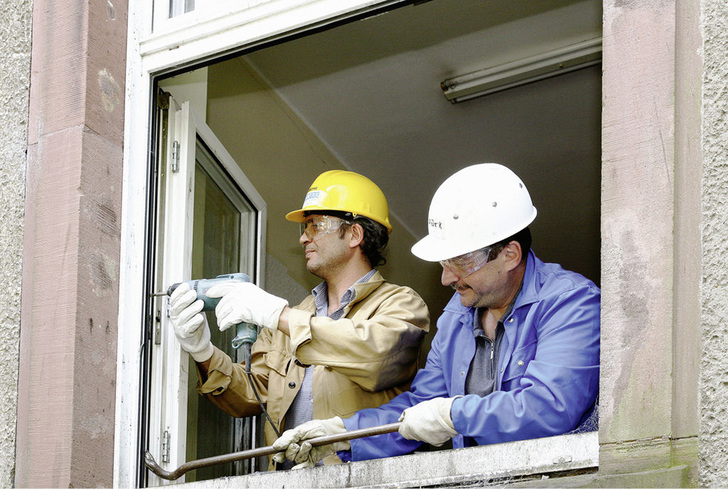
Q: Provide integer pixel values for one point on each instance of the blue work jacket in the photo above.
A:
(548, 370)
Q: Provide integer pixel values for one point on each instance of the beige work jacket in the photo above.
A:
(360, 361)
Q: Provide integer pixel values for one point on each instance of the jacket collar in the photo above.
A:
(361, 290)
(529, 293)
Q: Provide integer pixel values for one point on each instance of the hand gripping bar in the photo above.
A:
(261, 452)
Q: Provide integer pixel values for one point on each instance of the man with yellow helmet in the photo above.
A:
(352, 344)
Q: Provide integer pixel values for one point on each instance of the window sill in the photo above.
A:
(520, 460)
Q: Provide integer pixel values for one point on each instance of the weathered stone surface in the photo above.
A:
(478, 466)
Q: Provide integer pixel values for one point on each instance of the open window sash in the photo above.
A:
(193, 160)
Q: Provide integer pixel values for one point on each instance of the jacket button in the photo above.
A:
(292, 385)
(520, 363)
(510, 320)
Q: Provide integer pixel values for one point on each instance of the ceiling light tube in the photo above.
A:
(527, 70)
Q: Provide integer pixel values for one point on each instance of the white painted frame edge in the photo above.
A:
(201, 38)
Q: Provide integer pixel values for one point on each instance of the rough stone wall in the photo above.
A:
(714, 362)
(15, 30)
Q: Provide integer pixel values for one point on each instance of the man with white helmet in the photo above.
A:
(352, 344)
(516, 353)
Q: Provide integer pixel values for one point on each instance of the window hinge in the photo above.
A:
(175, 157)
(165, 446)
(157, 329)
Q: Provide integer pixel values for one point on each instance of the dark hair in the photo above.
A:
(375, 241)
(523, 237)
(375, 238)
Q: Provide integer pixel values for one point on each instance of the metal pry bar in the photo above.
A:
(261, 452)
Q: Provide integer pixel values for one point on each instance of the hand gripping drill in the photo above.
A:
(246, 333)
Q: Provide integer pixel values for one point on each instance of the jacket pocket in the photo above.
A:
(277, 362)
(517, 365)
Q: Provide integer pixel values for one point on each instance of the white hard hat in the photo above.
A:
(476, 207)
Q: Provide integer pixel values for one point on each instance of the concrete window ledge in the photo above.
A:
(502, 463)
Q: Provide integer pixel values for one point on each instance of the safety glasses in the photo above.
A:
(321, 225)
(467, 264)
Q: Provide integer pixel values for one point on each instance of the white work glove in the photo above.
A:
(190, 325)
(429, 421)
(245, 302)
(292, 444)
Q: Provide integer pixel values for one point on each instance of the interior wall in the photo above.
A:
(281, 156)
(374, 96)
(189, 87)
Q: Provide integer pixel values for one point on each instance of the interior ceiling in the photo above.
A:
(371, 90)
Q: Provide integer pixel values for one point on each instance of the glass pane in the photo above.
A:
(220, 212)
(177, 7)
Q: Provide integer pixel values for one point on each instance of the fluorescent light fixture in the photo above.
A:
(527, 70)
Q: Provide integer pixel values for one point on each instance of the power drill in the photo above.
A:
(246, 333)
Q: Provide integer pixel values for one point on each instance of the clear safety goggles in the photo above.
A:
(321, 225)
(467, 264)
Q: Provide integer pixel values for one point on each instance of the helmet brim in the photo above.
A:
(434, 249)
(296, 216)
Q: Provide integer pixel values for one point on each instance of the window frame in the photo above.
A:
(219, 28)
(183, 42)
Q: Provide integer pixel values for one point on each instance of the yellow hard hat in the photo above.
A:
(345, 191)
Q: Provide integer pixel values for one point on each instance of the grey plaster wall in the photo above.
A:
(15, 31)
(714, 361)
